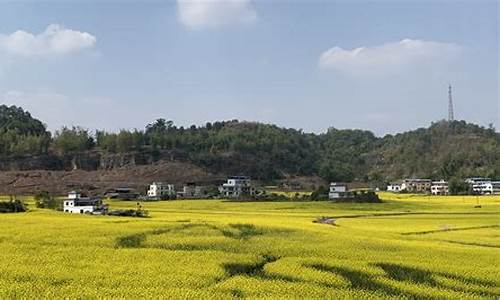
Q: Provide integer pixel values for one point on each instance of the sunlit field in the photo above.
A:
(409, 246)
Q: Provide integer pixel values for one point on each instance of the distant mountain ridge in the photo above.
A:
(263, 151)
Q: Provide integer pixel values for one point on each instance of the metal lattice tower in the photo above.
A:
(451, 117)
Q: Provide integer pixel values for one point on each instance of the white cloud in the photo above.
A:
(54, 40)
(198, 14)
(387, 58)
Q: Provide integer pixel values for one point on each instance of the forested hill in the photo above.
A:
(262, 151)
(444, 150)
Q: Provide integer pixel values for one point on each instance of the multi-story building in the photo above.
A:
(440, 188)
(74, 195)
(495, 187)
(416, 185)
(480, 185)
(83, 205)
(394, 187)
(160, 189)
(477, 180)
(487, 188)
(237, 186)
(192, 191)
(338, 190)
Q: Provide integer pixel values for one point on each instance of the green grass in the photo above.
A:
(407, 247)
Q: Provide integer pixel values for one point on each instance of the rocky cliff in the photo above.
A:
(96, 172)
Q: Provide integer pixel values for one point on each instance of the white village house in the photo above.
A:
(160, 189)
(440, 188)
(337, 190)
(493, 188)
(478, 185)
(484, 185)
(81, 205)
(191, 190)
(477, 180)
(237, 186)
(416, 185)
(394, 187)
(73, 195)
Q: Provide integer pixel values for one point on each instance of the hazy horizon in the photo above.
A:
(373, 65)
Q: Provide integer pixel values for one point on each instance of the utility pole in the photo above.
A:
(451, 117)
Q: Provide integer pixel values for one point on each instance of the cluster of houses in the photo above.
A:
(479, 185)
(162, 190)
(234, 187)
(241, 186)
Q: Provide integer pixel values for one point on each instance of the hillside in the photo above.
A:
(444, 150)
(100, 180)
(263, 151)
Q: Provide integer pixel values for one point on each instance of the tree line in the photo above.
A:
(444, 150)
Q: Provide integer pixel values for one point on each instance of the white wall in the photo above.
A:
(337, 188)
(393, 188)
(78, 209)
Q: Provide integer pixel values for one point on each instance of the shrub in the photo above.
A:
(366, 197)
(168, 197)
(12, 206)
(264, 197)
(45, 200)
(320, 194)
(459, 187)
(131, 241)
(139, 213)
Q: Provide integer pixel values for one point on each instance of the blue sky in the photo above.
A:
(377, 65)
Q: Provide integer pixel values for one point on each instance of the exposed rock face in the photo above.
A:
(89, 161)
(45, 162)
(96, 172)
(98, 181)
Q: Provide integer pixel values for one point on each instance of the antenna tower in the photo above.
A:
(451, 117)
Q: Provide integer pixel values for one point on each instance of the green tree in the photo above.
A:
(458, 186)
(45, 200)
(73, 140)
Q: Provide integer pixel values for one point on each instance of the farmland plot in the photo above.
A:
(408, 246)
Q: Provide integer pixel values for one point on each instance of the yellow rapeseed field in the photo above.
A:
(407, 247)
